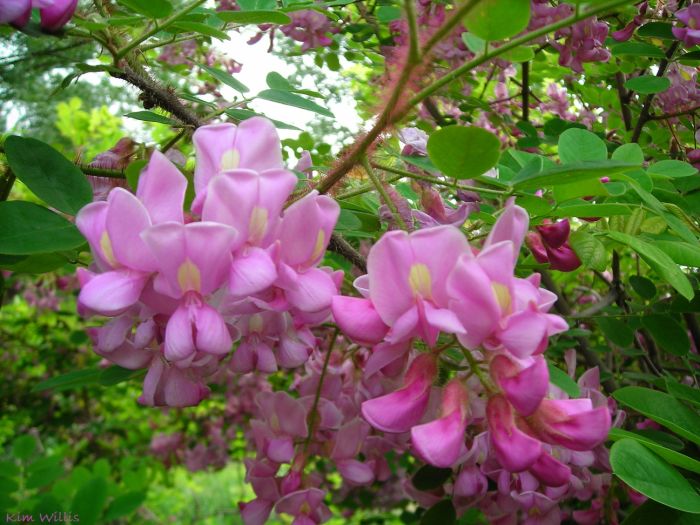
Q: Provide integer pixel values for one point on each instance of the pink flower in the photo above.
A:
(403, 409)
(407, 275)
(306, 506)
(15, 12)
(441, 442)
(551, 245)
(690, 16)
(309, 27)
(253, 144)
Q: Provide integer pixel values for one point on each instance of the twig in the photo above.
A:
(623, 95)
(526, 91)
(379, 185)
(342, 247)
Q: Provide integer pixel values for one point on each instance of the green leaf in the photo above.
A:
(116, 374)
(653, 513)
(576, 145)
(574, 175)
(442, 513)
(44, 471)
(643, 287)
(225, 78)
(23, 447)
(257, 5)
(648, 84)
(674, 169)
(276, 81)
(150, 116)
(133, 172)
(591, 210)
(498, 19)
(239, 115)
(657, 29)
(631, 153)
(254, 17)
(661, 263)
(638, 49)
(463, 152)
(681, 252)
(692, 58)
(590, 250)
(667, 333)
(75, 379)
(51, 176)
(90, 500)
(474, 43)
(28, 228)
(388, 13)
(124, 505)
(562, 380)
(662, 408)
(616, 331)
(647, 473)
(672, 456)
(39, 263)
(684, 392)
(202, 29)
(519, 54)
(429, 477)
(557, 126)
(292, 99)
(149, 8)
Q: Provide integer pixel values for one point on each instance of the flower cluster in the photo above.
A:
(311, 28)
(432, 282)
(550, 244)
(181, 288)
(54, 14)
(584, 42)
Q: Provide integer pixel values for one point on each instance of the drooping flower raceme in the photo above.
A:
(181, 291)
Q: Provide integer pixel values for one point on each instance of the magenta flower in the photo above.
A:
(168, 385)
(525, 383)
(401, 410)
(56, 14)
(284, 419)
(309, 27)
(253, 144)
(348, 444)
(690, 16)
(306, 506)
(551, 245)
(441, 442)
(15, 12)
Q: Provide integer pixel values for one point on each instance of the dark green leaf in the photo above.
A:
(116, 374)
(75, 379)
(429, 477)
(225, 78)
(653, 513)
(591, 210)
(202, 29)
(647, 473)
(643, 287)
(23, 447)
(90, 500)
(657, 29)
(241, 114)
(661, 263)
(648, 84)
(257, 5)
(638, 49)
(683, 392)
(51, 176)
(28, 228)
(254, 17)
(681, 252)
(673, 457)
(575, 174)
(150, 116)
(442, 513)
(662, 408)
(463, 152)
(149, 8)
(292, 99)
(616, 331)
(124, 505)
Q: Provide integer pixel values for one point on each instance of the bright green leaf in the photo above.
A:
(562, 380)
(292, 99)
(590, 250)
(90, 500)
(672, 168)
(463, 152)
(151, 116)
(672, 456)
(225, 78)
(254, 17)
(580, 145)
(631, 153)
(648, 84)
(498, 19)
(643, 287)
(149, 8)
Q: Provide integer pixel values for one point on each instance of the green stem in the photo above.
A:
(413, 52)
(313, 414)
(365, 188)
(155, 30)
(512, 44)
(438, 182)
(483, 378)
(382, 191)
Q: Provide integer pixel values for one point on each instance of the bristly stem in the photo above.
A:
(413, 51)
(156, 29)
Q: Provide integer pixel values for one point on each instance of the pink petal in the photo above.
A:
(313, 292)
(515, 450)
(55, 16)
(179, 335)
(549, 471)
(355, 472)
(525, 334)
(524, 388)
(358, 319)
(440, 442)
(125, 235)
(572, 423)
(112, 293)
(387, 357)
(212, 334)
(162, 189)
(251, 273)
(510, 226)
(255, 512)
